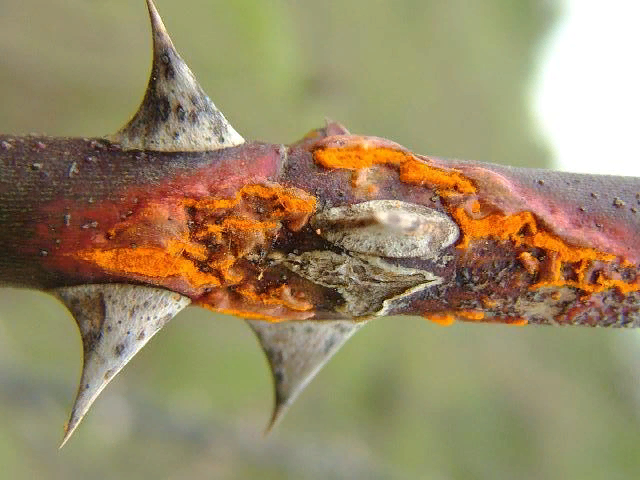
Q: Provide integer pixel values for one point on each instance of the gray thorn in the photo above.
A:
(115, 322)
(176, 114)
(296, 352)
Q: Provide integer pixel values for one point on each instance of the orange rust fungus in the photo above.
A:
(522, 229)
(412, 170)
(530, 263)
(472, 315)
(271, 306)
(248, 314)
(448, 318)
(275, 296)
(179, 247)
(203, 251)
(516, 321)
(236, 224)
(150, 262)
(287, 201)
(475, 207)
(488, 302)
(443, 320)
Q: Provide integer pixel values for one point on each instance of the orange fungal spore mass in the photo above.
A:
(214, 234)
(522, 229)
(412, 170)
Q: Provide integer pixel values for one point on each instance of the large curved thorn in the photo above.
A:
(176, 114)
(115, 322)
(296, 352)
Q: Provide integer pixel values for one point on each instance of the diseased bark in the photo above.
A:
(235, 230)
(60, 194)
(329, 232)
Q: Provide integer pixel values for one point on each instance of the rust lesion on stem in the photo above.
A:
(329, 233)
(217, 242)
(548, 258)
(357, 153)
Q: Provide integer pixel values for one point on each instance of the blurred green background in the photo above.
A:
(405, 398)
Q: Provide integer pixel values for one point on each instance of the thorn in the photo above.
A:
(296, 352)
(176, 114)
(115, 322)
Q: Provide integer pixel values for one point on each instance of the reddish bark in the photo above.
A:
(231, 229)
(336, 227)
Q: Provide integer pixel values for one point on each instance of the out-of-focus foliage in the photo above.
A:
(404, 399)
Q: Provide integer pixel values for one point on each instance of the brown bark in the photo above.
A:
(273, 232)
(331, 231)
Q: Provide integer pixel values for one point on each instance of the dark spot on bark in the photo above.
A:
(181, 113)
(342, 328)
(221, 138)
(594, 195)
(119, 349)
(164, 108)
(275, 356)
(278, 376)
(141, 335)
(91, 338)
(169, 71)
(541, 182)
(463, 277)
(329, 344)
(618, 203)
